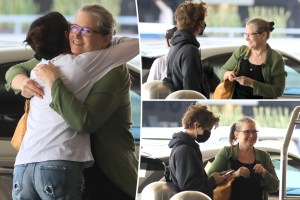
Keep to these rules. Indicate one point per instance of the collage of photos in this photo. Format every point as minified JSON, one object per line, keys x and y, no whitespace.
{"x":149,"y":100}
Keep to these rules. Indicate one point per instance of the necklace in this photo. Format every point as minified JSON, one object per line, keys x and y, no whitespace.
{"x":253,"y":67}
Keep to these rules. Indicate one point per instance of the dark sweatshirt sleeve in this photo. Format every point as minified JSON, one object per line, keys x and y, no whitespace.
{"x":191,"y":69}
{"x":191,"y":175}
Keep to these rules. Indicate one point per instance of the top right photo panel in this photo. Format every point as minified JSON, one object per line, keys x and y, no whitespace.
{"x":219,"y":49}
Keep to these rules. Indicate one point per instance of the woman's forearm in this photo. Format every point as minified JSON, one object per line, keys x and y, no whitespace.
{"x":17,"y":81}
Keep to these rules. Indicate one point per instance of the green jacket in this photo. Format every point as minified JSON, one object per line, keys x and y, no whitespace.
{"x":272,"y":71}
{"x":269,"y":182}
{"x":106,"y":113}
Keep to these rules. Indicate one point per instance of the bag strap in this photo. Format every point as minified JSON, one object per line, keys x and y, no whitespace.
{"x":27,"y":105}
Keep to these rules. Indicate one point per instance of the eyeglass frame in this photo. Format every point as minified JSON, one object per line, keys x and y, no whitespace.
{"x":249,"y":131}
{"x":251,"y":34}
{"x":81,"y":28}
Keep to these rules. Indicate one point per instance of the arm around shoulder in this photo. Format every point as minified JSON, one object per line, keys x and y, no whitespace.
{"x":19,"y":69}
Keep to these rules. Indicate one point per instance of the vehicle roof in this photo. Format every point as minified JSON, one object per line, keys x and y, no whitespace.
{"x":157,"y":49}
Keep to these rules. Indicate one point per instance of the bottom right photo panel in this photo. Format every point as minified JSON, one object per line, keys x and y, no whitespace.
{"x":219,"y":150}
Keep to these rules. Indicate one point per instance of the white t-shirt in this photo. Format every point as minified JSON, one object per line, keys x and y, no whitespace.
{"x":158,"y":70}
{"x":48,"y":136}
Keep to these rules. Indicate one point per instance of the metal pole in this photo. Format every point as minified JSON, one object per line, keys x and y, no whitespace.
{"x":284,"y":152}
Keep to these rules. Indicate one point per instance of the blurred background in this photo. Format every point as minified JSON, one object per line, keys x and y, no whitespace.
{"x":274,"y":114}
{"x":161,"y":119}
{"x":16,"y":16}
{"x":225,"y":21}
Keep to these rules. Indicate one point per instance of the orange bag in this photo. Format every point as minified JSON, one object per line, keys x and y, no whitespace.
{"x":224,"y":90}
{"x":223,"y":191}
{"x":21,"y":127}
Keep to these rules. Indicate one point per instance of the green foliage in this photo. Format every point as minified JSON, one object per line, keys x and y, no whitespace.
{"x":272,"y":117}
{"x":264,"y":116}
{"x":228,"y":113}
{"x":17,"y":7}
{"x":67,"y":7}
{"x":276,"y":14}
{"x":71,"y":7}
{"x":219,"y":16}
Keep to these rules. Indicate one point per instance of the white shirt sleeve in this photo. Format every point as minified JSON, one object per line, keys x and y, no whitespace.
{"x":122,"y":50}
{"x":158,"y":70}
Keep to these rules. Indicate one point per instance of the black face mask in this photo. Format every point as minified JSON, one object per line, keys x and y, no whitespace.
{"x":204,"y":137}
{"x":201,"y":33}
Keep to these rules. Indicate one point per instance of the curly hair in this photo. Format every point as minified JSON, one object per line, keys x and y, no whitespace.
{"x":189,"y":14}
{"x":199,"y":113}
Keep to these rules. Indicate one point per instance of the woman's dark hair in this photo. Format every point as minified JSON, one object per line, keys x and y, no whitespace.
{"x":169,"y":34}
{"x":47,"y":36}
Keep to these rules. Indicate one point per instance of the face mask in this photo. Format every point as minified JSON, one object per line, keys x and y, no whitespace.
{"x":204,"y":137}
{"x":201,"y":33}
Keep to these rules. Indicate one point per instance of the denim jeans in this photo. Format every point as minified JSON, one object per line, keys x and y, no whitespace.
{"x":59,"y":180}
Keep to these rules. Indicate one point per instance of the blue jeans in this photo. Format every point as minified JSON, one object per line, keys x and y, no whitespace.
{"x":59,"y":180}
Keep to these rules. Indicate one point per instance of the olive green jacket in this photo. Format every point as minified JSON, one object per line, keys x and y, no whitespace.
{"x":269,"y":182}
{"x":106,"y":113}
{"x":272,"y":70}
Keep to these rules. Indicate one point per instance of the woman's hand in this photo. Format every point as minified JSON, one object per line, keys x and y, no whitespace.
{"x":219,"y":178}
{"x":242,"y":171}
{"x":31,"y":88}
{"x":259,"y":169}
{"x":230,"y":75}
{"x":48,"y":73}
{"x":245,"y":81}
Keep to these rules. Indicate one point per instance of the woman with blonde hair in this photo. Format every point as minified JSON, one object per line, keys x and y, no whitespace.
{"x":257,"y":70}
{"x":254,"y":174}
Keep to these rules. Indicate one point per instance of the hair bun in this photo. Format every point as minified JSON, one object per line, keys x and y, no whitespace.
{"x":271,"y":26}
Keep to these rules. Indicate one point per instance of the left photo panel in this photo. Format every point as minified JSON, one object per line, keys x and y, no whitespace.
{"x":70,"y":99}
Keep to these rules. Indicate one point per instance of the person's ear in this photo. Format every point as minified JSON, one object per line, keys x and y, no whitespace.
{"x":265,"y":35}
{"x":196,"y":125}
{"x":236,"y":134}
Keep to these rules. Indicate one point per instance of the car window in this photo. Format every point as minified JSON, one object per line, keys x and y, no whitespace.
{"x":211,"y":67}
{"x":136,"y":114}
{"x":12,"y":106}
{"x":292,"y":176}
{"x":292,"y":81}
